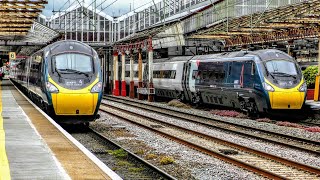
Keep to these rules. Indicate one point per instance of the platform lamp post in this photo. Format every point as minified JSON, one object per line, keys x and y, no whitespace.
{"x":140,"y":96}
{"x":131,"y":93}
{"x":116,"y":91}
{"x":123,"y":82}
{"x":317,"y":83}
{"x":150,"y":58}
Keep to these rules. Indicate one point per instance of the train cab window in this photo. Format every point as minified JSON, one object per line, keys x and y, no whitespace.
{"x":281,"y":67}
{"x":74,"y":62}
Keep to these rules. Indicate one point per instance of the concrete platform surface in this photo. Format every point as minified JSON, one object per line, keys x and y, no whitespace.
{"x":28,"y":155}
{"x":34,"y":146}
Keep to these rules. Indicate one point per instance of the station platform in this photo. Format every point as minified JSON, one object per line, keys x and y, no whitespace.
{"x":314,"y":105}
{"x":31,"y":147}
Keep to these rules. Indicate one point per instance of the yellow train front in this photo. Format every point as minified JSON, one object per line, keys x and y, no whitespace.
{"x":64,"y":79}
{"x":282,"y":81}
{"x":73,"y":81}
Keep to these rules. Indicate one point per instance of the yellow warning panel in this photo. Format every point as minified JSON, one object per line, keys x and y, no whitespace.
{"x":4,"y":164}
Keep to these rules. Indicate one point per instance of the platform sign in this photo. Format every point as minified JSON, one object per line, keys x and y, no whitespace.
{"x":12,"y":55}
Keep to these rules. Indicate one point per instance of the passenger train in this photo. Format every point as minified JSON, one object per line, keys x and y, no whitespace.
{"x":253,"y":81}
{"x":64,"y":79}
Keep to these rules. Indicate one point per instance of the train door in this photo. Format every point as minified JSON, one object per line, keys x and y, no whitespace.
{"x":248,"y":74}
{"x":184,"y":80}
{"x":193,"y":76}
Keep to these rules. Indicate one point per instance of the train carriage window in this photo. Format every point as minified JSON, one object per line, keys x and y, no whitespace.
{"x":210,"y":74}
{"x":173,"y":74}
{"x":253,"y":69}
{"x":204,"y":75}
{"x":194,"y":74}
{"x":127,"y":74}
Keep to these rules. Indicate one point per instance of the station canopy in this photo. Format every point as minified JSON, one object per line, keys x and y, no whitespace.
{"x":18,"y":24}
{"x":286,"y":23}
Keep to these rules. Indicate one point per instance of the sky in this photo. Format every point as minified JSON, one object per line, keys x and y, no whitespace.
{"x":117,"y":8}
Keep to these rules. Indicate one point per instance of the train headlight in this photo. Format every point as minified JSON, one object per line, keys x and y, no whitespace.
{"x":51,"y":88}
{"x":303,"y":87}
{"x":96,"y":88}
{"x":267,"y":87}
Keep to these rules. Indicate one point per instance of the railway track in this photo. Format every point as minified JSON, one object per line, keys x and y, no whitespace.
{"x":298,"y":143}
{"x":259,"y":162}
{"x":102,"y":148}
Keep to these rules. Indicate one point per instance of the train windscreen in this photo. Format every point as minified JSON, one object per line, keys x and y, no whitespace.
{"x":74,"y":62}
{"x":281,"y":67}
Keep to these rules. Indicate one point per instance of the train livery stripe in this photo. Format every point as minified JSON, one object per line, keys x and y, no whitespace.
{"x":4,"y":164}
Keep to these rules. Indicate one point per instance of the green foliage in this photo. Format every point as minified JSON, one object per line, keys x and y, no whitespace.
{"x":166,"y":160}
{"x":140,"y":152}
{"x":119,"y":153}
{"x":310,"y":74}
{"x":151,"y":156}
{"x":124,"y":163}
{"x":135,"y":169}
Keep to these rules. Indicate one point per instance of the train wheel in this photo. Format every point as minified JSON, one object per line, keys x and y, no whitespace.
{"x":253,"y":110}
{"x":181,"y":97}
{"x":196,"y":99}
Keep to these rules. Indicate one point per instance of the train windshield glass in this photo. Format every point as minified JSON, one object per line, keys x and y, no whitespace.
{"x":72,"y":61}
{"x":281,"y":68}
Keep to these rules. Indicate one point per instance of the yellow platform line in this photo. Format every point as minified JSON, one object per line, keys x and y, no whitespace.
{"x":4,"y":164}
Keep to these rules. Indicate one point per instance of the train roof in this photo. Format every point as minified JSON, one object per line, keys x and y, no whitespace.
{"x":268,"y":54}
{"x":264,"y":55}
{"x":173,"y":59}
{"x":69,"y":46}
{"x":221,"y":55}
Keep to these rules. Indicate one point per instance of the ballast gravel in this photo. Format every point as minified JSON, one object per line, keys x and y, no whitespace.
{"x":188,"y":163}
{"x":247,"y":122}
{"x":271,"y":148}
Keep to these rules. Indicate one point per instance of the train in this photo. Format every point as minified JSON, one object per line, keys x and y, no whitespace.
{"x":64,"y":79}
{"x":253,"y":81}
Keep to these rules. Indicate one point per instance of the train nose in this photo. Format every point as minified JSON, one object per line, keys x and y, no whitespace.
{"x":286,"y":100}
{"x":75,"y":104}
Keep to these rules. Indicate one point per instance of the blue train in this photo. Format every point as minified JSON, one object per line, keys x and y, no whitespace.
{"x":64,"y":79}
{"x":253,"y":81}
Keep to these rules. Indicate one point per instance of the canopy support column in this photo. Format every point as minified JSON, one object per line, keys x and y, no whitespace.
{"x":116,"y":91}
{"x":123,"y":82}
{"x":140,"y":96}
{"x":317,"y":83}
{"x":150,"y":58}
{"x":131,"y":76}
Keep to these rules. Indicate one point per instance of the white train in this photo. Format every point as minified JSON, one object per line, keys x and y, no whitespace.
{"x":256,"y":81}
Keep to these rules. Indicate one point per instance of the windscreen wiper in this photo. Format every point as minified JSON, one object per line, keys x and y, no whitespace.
{"x":59,"y":74}
{"x":76,"y":71}
{"x":284,"y":74}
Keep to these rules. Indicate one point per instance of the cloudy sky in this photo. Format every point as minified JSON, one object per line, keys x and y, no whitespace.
{"x":115,"y":6}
